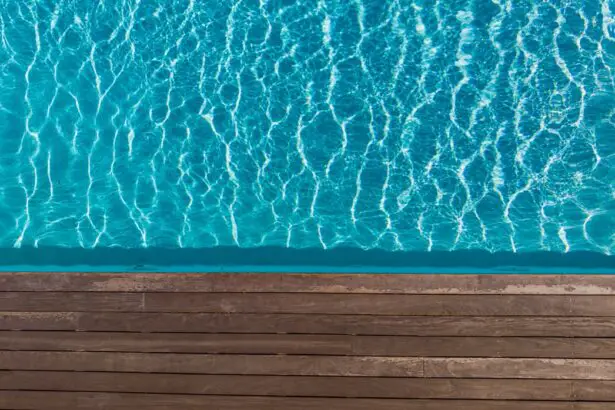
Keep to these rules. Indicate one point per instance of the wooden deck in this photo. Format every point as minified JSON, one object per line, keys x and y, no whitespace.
{"x":281,"y":341}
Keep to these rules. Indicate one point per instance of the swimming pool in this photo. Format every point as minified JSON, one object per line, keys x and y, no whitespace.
{"x":368,"y":124}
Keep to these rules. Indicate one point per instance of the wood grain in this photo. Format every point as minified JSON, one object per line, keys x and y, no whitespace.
{"x":593,"y":348}
{"x":298,"y":386}
{"x":346,"y":304}
{"x":71,"y":302}
{"x":213,"y":364}
{"x":193,"y":343}
{"x":309,"y":283}
{"x":596,"y":390}
{"x":311,"y":324}
{"x":39,"y":321}
{"x":496,"y":368}
{"x":520,"y":368}
{"x":371,"y":304}
{"x":66,"y":400}
{"x":293,"y":341}
{"x":472,"y":346}
{"x":309,"y":344}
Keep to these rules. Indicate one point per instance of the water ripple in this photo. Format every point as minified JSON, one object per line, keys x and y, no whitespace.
{"x":396,"y":125}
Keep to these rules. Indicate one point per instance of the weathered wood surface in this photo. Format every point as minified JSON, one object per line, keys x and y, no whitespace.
{"x":341,"y":304}
{"x":357,"y":387}
{"x":309,"y":283}
{"x":295,"y":365}
{"x":486,"y":326}
{"x":136,"y":401}
{"x":282,"y":341}
{"x":306,"y":344}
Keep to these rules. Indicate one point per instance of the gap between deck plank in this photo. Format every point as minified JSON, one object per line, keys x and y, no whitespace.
{"x":464,"y":346}
{"x":302,"y":386}
{"x":369,"y":366}
{"x":132,"y":401}
{"x":489,"y":326}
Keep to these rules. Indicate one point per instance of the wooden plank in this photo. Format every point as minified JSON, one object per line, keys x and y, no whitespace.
{"x":131,"y":401}
{"x":592,"y":306}
{"x":567,"y":284}
{"x":39,"y":321}
{"x":213,"y":364}
{"x":183,"y":343}
{"x":299,"y":386}
{"x":492,"y":368}
{"x":579,"y":369}
{"x":466,"y":346}
{"x":593,"y":326}
{"x":598,"y":348}
{"x":309,"y":344}
{"x":374,"y":304}
{"x":592,"y":405}
{"x":596,"y":390}
{"x":233,"y":282}
{"x":311,"y":324}
{"x":309,"y":283}
{"x":292,"y":323}
{"x":71,"y":302}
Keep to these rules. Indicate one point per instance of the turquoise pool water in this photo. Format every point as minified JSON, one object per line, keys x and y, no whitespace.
{"x":359,"y":124}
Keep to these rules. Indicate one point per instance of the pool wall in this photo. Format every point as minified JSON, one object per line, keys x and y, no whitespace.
{"x":274,"y":259}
